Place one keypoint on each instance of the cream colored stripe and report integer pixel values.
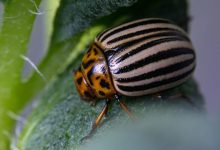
(153, 90)
(135, 29)
(120, 26)
(146, 53)
(159, 78)
(154, 50)
(153, 66)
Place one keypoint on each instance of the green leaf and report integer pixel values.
(15, 31)
(78, 15)
(169, 131)
(60, 119)
(74, 16)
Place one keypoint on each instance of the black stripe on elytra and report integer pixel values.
(100, 34)
(158, 72)
(154, 84)
(144, 22)
(164, 54)
(146, 31)
(165, 33)
(148, 45)
(88, 63)
(119, 48)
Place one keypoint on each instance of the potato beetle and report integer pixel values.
(137, 58)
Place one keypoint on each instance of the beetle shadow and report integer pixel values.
(186, 97)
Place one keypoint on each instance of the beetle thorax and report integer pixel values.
(94, 70)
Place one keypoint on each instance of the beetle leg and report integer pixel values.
(125, 108)
(176, 96)
(97, 121)
(101, 115)
(183, 96)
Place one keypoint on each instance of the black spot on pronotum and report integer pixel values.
(104, 84)
(95, 51)
(97, 78)
(101, 93)
(88, 55)
(89, 75)
(88, 63)
(89, 50)
(79, 80)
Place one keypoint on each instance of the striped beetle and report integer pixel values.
(137, 58)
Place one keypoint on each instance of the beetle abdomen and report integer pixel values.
(147, 56)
